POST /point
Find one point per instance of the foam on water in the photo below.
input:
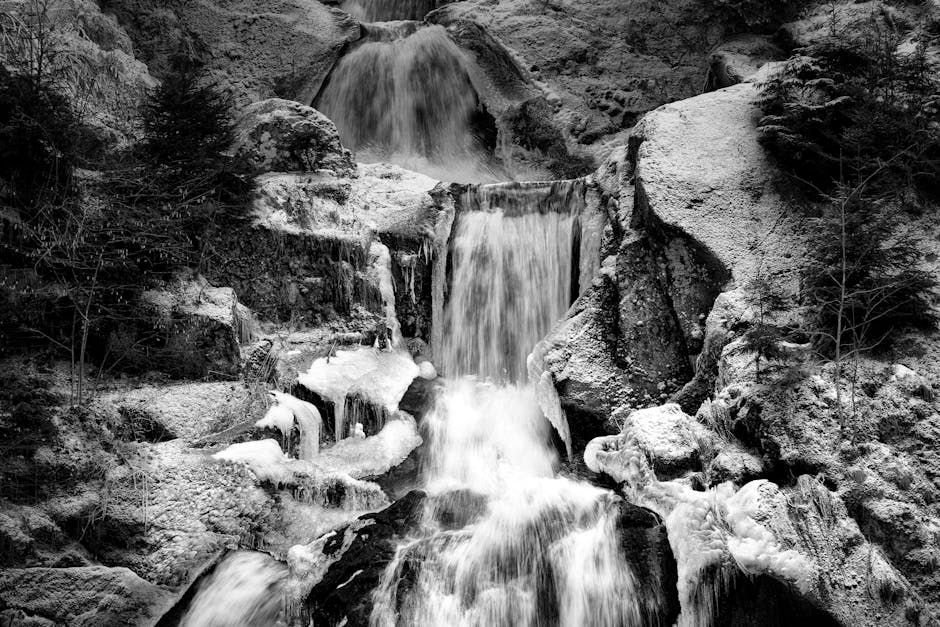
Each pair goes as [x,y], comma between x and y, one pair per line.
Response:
[544,546]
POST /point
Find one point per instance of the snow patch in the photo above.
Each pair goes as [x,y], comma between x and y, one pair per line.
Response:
[264,457]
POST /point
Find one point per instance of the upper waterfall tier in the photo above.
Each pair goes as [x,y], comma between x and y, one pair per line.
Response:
[388,10]
[405,96]
[520,253]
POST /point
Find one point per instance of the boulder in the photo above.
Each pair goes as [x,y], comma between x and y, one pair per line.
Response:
[186,409]
[278,135]
[344,594]
[309,256]
[738,59]
[672,440]
[189,329]
[80,596]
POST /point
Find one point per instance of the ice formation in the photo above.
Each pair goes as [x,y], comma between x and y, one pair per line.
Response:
[373,455]
[286,410]
[718,526]
[381,269]
[381,377]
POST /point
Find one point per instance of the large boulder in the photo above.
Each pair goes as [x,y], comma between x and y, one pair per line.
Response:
[738,59]
[311,254]
[80,596]
[278,135]
[360,554]
[188,328]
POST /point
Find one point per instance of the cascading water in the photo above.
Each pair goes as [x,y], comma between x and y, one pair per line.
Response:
[244,590]
[511,281]
[388,10]
[405,96]
[540,548]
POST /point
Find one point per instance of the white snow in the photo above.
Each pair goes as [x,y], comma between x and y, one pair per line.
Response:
[264,457]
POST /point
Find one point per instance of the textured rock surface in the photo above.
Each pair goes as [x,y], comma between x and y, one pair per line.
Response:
[80,596]
[254,50]
[309,252]
[738,59]
[93,61]
[192,329]
[278,135]
[602,63]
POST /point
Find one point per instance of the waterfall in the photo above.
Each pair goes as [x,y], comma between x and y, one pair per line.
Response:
[405,96]
[244,590]
[512,276]
[539,548]
[544,550]
[388,10]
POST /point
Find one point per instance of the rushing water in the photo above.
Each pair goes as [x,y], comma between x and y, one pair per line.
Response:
[405,97]
[502,266]
[244,590]
[388,10]
[543,549]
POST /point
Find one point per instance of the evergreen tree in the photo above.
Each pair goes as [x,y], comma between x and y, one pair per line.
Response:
[864,281]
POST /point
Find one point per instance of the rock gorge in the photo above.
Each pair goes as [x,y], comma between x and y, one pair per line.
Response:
[478,355]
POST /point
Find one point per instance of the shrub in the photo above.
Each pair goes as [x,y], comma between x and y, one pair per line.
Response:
[180,182]
[864,282]
[41,141]
[841,109]
[744,15]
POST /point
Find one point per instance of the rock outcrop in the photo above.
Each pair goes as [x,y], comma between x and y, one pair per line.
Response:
[253,50]
[602,65]
[278,135]
[188,328]
[80,596]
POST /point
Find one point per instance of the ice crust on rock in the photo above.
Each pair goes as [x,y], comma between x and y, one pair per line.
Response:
[382,377]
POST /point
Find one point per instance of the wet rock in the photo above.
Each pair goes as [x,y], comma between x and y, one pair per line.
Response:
[458,508]
[645,544]
[80,596]
[278,135]
[344,595]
